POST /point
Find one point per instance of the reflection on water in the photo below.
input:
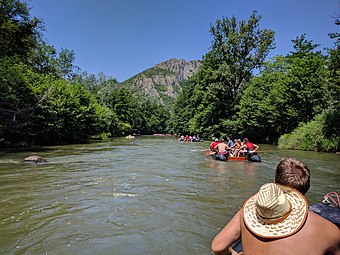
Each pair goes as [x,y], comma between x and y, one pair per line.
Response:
[149,195]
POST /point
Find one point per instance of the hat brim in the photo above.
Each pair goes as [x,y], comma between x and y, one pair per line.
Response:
[287,227]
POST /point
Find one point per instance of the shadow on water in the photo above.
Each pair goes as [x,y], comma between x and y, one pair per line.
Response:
[147,195]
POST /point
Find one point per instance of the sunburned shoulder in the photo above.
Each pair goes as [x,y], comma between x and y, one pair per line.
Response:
[320,223]
[326,230]
[313,217]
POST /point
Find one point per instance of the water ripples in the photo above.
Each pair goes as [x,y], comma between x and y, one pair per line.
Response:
[142,196]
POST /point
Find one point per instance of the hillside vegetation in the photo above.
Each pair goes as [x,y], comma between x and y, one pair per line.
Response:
[163,82]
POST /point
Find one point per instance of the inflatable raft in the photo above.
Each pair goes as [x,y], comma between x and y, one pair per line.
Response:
[253,157]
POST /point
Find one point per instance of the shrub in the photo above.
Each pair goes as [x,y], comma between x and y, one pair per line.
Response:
[311,136]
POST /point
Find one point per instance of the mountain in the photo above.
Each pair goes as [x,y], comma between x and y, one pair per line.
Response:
[162,82]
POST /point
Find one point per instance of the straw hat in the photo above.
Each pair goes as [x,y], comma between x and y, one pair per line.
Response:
[275,211]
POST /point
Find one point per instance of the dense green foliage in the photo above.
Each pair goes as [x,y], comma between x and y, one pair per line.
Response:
[311,136]
[237,49]
[293,100]
[288,92]
[323,132]
[45,99]
[18,32]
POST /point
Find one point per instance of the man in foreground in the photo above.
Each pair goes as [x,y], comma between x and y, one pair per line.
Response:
[265,228]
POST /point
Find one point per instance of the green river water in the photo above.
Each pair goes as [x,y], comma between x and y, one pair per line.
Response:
[149,195]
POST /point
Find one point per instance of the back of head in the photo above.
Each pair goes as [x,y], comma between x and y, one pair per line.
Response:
[293,173]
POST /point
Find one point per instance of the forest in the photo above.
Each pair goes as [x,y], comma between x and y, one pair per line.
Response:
[290,100]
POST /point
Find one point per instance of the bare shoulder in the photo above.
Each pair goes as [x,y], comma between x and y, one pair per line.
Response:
[324,227]
[315,217]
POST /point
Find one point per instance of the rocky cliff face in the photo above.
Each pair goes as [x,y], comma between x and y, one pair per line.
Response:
[163,80]
[182,69]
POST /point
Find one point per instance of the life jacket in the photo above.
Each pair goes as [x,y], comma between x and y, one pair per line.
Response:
[213,145]
[250,146]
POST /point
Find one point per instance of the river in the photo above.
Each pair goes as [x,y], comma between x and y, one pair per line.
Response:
[149,195]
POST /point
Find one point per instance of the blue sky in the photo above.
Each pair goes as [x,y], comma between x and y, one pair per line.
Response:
[124,37]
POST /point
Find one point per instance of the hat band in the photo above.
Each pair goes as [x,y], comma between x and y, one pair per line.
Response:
[276,220]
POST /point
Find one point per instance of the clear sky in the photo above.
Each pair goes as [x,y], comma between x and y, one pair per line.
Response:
[124,37]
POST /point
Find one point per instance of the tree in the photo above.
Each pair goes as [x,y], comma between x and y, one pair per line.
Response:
[155,118]
[237,49]
[303,47]
[289,91]
[123,103]
[336,35]
[186,106]
[332,126]
[18,32]
[65,65]
[306,82]
[44,59]
[262,108]
[69,113]
[18,101]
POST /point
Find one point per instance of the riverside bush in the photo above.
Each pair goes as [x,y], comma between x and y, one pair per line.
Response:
[310,137]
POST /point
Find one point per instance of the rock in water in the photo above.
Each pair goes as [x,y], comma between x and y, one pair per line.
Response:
[35,159]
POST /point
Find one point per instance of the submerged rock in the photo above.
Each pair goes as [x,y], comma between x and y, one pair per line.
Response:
[35,159]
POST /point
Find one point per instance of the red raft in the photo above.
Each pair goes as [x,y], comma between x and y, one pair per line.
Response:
[237,158]
[254,157]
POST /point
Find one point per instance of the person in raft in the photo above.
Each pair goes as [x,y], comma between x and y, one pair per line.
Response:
[236,148]
[248,147]
[222,147]
[276,220]
[214,144]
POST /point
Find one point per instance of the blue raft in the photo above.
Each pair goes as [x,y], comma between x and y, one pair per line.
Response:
[327,211]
